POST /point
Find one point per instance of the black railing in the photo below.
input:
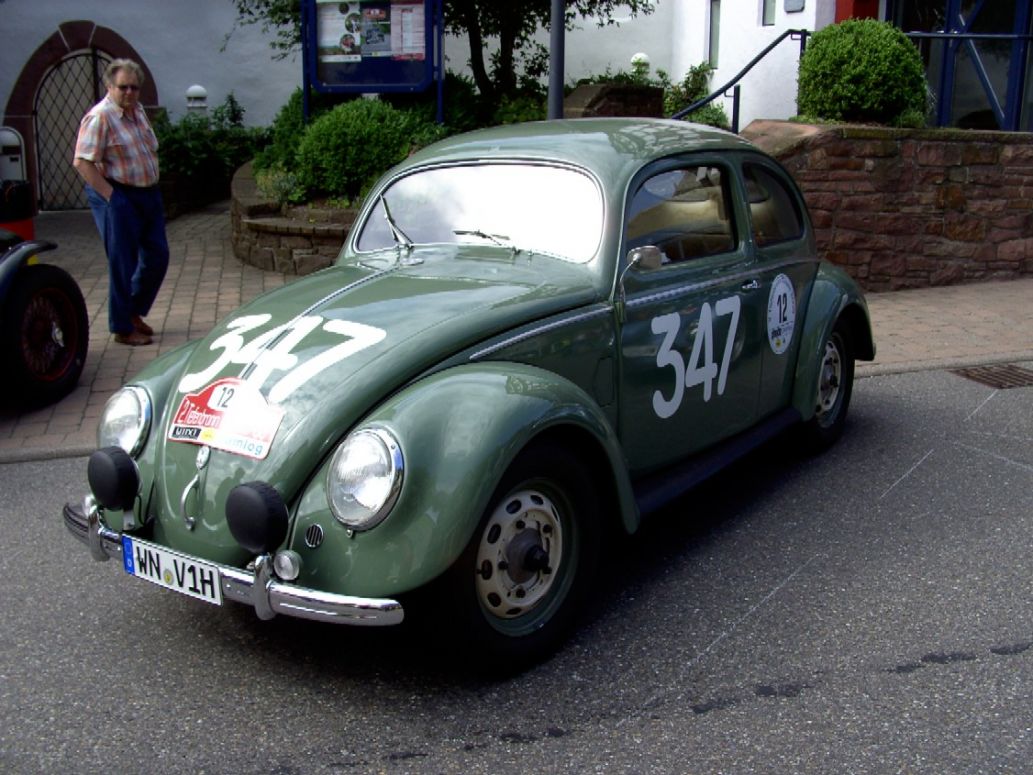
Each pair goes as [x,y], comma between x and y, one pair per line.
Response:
[733,84]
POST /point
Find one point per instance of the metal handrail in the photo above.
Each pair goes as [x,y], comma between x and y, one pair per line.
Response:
[802,35]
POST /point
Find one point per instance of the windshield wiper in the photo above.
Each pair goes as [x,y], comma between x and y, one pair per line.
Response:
[496,238]
[400,237]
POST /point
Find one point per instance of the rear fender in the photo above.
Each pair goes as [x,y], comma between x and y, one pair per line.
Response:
[835,297]
[459,431]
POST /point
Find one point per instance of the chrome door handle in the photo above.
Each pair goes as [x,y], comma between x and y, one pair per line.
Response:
[752,285]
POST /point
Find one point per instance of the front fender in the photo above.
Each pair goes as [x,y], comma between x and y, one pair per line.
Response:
[158,379]
[834,297]
[459,431]
[13,259]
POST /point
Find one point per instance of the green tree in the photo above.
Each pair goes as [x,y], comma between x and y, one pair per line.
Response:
[510,24]
[513,24]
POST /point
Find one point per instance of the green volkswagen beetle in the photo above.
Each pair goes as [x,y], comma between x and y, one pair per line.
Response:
[534,337]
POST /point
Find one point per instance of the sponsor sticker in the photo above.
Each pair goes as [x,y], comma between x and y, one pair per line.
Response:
[230,415]
[781,314]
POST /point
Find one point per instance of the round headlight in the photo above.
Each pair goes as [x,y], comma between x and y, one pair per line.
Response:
[364,479]
[126,420]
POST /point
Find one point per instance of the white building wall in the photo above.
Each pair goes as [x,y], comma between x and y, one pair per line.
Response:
[180,40]
[182,43]
[769,89]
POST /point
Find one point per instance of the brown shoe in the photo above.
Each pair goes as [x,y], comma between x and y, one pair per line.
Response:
[133,338]
[141,327]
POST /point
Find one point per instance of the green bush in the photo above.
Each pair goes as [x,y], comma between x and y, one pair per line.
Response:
[694,86]
[862,70]
[520,107]
[344,150]
[463,108]
[207,150]
[288,127]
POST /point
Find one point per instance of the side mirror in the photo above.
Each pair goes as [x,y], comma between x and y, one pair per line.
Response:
[646,257]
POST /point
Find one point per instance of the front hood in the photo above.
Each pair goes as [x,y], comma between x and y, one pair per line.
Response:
[273,387]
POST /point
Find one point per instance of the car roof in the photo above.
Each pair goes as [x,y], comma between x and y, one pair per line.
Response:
[607,146]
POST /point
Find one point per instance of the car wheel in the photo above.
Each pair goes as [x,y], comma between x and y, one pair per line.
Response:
[835,385]
[45,334]
[518,584]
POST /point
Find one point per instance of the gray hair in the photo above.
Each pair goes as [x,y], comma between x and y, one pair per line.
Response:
[122,64]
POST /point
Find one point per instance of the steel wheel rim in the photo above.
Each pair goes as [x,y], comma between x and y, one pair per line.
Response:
[830,382]
[522,568]
[48,337]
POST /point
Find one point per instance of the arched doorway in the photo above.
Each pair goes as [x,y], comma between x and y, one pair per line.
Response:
[70,89]
[55,88]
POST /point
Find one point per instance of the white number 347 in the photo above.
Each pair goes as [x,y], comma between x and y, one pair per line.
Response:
[701,369]
[271,352]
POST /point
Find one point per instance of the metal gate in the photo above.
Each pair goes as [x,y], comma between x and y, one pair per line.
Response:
[68,91]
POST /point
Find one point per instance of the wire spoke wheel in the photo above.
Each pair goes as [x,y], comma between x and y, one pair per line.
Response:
[46,349]
[45,334]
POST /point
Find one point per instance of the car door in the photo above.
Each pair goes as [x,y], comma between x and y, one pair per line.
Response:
[690,337]
[786,263]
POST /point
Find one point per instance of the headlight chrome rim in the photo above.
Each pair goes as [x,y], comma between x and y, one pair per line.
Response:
[132,437]
[342,485]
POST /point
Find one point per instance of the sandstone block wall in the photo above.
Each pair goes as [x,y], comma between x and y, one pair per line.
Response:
[913,208]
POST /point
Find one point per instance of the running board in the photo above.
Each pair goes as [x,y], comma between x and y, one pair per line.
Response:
[660,488]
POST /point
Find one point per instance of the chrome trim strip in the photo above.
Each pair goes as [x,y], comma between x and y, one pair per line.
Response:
[269,596]
[682,290]
[533,332]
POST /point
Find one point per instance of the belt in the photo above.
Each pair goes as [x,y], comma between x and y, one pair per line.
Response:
[120,184]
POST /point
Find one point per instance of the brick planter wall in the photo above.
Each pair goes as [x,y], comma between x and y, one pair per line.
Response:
[913,208]
[895,208]
[292,241]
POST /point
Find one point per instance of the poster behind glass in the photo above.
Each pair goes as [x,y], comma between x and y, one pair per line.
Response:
[372,43]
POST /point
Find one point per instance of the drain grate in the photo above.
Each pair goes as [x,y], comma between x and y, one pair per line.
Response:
[1001,376]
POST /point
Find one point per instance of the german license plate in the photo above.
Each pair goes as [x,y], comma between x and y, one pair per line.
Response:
[171,570]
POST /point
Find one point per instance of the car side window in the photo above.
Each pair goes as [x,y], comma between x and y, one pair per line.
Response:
[684,212]
[774,213]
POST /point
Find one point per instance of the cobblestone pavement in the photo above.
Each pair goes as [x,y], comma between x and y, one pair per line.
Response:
[918,329]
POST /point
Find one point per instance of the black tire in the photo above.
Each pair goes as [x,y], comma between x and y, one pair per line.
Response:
[835,386]
[513,594]
[45,334]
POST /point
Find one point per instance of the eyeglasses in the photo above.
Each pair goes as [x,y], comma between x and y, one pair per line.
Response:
[127,87]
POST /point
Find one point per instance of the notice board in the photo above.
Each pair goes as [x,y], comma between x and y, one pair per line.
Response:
[371,45]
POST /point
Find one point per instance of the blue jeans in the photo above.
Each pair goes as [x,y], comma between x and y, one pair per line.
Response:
[132,225]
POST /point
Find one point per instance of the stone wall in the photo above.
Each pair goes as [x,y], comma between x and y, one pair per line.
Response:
[290,240]
[611,99]
[895,208]
[913,208]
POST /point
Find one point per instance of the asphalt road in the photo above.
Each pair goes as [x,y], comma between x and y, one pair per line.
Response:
[865,611]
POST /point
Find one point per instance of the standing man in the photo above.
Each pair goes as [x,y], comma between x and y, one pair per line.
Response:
[116,153]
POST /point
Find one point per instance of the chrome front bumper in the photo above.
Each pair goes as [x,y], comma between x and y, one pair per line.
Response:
[269,596]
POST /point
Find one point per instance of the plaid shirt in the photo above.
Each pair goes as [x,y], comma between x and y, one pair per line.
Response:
[120,143]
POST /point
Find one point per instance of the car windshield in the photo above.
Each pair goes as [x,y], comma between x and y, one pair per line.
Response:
[526,207]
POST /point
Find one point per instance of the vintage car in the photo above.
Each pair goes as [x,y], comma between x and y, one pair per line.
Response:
[44,326]
[534,337]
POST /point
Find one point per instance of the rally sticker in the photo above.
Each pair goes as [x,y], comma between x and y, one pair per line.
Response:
[781,314]
[230,415]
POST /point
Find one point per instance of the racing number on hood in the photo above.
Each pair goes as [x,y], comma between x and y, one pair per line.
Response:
[270,352]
